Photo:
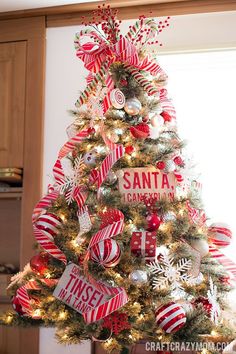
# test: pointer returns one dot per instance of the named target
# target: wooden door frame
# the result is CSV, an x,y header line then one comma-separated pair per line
x,y
33,32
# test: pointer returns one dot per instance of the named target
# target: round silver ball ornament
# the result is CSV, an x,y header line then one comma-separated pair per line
x,y
170,166
201,246
197,280
132,106
157,121
138,277
90,158
111,178
120,173
169,216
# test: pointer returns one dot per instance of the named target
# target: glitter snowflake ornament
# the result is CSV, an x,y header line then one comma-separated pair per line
x,y
167,273
212,298
68,184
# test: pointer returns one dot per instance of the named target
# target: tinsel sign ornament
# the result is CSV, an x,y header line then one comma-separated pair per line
x,y
138,183
76,292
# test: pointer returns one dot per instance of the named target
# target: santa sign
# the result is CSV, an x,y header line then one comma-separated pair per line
x,y
76,292
137,184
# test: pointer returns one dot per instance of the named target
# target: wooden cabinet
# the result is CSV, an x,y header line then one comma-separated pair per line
x,y
12,102
22,57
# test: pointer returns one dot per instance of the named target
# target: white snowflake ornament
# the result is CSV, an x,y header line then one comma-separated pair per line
x,y
71,181
169,274
212,298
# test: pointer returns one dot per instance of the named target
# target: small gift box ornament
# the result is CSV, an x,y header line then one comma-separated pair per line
x,y
143,244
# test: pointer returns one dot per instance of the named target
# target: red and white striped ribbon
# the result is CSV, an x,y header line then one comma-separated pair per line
x,y
229,265
24,298
70,145
58,172
108,162
167,104
80,196
45,228
119,296
43,204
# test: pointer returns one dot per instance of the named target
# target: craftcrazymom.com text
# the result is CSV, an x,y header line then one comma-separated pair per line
x,y
185,346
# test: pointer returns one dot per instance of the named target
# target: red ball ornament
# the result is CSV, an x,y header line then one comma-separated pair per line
x,y
17,306
205,303
161,165
129,149
140,131
170,317
166,116
123,82
39,263
145,119
178,160
106,252
91,130
153,222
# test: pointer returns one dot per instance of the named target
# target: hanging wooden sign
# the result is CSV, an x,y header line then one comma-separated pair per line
x,y
136,184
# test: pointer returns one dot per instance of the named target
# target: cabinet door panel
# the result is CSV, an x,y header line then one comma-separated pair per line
x,y
12,102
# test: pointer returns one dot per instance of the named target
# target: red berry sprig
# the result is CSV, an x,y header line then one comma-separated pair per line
x,y
106,18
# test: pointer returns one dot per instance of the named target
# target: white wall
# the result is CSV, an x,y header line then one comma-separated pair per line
x,y
65,77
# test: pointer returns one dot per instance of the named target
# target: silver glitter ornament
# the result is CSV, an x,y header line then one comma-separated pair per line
x,y
169,216
132,106
111,178
138,277
90,158
170,166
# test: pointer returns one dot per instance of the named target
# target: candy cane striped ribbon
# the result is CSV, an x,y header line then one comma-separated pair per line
x,y
58,172
139,77
70,145
229,265
119,296
43,204
99,77
108,162
80,196
45,228
167,104
24,297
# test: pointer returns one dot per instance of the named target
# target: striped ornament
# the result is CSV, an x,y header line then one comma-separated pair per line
x,y
49,223
220,234
170,317
107,253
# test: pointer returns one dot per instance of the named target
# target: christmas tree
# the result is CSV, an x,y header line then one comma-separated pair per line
x,y
125,250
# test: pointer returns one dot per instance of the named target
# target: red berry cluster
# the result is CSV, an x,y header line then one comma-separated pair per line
x,y
107,19
146,33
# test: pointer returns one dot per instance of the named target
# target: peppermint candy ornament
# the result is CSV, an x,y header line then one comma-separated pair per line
x,y
117,98
106,252
170,317
220,234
